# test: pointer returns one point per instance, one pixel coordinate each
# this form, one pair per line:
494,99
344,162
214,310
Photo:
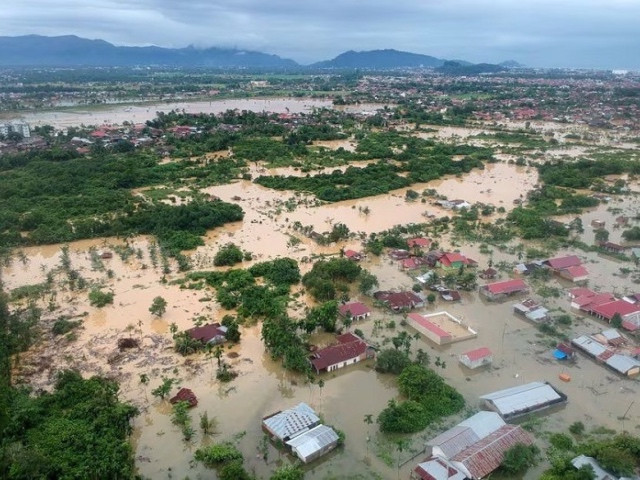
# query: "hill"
380,59
69,50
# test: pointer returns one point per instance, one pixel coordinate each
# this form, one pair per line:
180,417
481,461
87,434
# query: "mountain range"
70,50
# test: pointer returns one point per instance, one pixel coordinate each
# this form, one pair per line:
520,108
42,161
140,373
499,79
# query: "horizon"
592,34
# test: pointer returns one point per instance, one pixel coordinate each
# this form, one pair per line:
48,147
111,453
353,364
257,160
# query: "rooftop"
531,396
291,422
508,286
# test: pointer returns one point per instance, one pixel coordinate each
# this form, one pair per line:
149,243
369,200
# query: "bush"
64,325
577,428
229,254
218,454
289,472
519,458
99,299
391,360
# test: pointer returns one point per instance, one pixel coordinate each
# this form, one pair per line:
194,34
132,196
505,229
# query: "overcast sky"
554,33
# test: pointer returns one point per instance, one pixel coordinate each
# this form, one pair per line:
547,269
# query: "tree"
233,329
158,306
367,282
289,472
392,360
616,320
601,235
164,388
368,419
228,254
519,458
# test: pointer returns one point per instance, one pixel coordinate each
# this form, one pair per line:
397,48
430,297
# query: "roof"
418,242
185,395
478,353
313,441
577,271
609,309
452,257
399,299
483,423
622,363
352,254
581,292
454,440
207,332
291,422
430,326
589,345
354,308
564,262
600,473
486,455
346,349
613,336
513,400
508,286
435,468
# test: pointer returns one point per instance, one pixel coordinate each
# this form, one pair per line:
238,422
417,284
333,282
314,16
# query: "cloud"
589,33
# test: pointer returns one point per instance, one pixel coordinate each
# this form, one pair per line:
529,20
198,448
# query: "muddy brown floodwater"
597,396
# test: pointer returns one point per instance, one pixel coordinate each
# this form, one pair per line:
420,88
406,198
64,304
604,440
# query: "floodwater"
117,114
597,396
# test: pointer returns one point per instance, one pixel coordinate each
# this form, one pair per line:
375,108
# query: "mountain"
379,59
511,64
455,68
69,50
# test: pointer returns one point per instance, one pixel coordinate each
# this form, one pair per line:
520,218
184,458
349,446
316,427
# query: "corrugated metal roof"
600,473
486,455
291,422
483,423
313,441
438,469
524,397
622,363
588,345
454,440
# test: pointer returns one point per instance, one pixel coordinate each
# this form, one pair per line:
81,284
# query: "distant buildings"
21,128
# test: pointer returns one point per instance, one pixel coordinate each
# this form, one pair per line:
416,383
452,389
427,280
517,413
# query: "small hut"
185,395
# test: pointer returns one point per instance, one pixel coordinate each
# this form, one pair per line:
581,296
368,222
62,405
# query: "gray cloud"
587,33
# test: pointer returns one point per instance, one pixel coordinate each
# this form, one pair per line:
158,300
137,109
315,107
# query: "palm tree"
401,446
368,419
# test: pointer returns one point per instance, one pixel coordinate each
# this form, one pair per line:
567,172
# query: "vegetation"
158,306
519,458
99,299
391,360
229,254
429,398
288,472
329,276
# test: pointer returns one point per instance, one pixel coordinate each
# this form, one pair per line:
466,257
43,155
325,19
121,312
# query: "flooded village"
519,288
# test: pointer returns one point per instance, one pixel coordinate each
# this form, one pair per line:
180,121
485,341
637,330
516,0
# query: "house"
612,337
598,224
629,313
518,401
399,301
500,290
450,295
561,263
575,274
598,472
622,221
470,450
185,395
399,254
488,274
425,277
433,332
612,247
527,268
635,253
436,468
623,364
485,456
564,351
532,311
419,242
349,349
287,424
413,263
210,333
314,443
476,358
441,327
454,260
356,310
587,301
353,255
580,292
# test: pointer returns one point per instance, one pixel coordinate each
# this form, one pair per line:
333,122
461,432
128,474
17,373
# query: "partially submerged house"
517,401
419,242
470,450
348,350
287,424
488,274
355,310
623,364
314,443
400,301
210,333
441,328
476,358
500,290
300,429
455,261
532,311
569,267
185,395
353,255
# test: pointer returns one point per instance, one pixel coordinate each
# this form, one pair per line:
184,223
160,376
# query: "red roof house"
348,350
398,301
476,358
419,242
499,290
353,255
626,310
485,456
210,333
575,274
564,262
356,310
